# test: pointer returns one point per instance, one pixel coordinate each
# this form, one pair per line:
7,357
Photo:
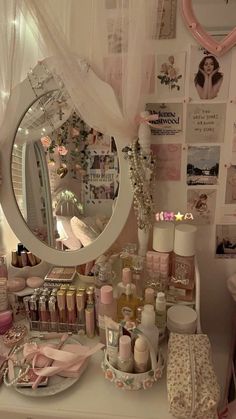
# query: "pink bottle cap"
126,276
125,347
106,294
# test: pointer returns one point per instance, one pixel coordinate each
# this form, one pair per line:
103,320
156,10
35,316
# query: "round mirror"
65,192
65,182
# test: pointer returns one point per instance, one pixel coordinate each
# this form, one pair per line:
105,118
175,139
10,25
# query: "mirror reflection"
216,16
65,175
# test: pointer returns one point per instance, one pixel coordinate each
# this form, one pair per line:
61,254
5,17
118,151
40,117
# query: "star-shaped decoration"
179,216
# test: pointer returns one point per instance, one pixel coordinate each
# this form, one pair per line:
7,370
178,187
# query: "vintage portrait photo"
98,142
170,75
230,191
170,121
209,75
168,161
102,191
205,123
203,165
103,163
226,241
201,203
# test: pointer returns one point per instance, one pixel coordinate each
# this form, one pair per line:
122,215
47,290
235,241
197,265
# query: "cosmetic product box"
16,303
60,274
135,381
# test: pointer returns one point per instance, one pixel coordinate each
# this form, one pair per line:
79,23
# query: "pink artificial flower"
62,150
46,141
74,132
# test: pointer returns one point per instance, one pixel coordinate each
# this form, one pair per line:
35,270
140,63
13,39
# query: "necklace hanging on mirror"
141,167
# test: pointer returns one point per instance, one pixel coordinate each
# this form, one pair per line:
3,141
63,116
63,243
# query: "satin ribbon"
146,119
65,358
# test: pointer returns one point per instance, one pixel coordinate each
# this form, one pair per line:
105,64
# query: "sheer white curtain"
112,35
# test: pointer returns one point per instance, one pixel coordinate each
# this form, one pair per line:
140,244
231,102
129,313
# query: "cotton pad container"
181,319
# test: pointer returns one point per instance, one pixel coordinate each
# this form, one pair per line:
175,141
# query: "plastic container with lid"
181,319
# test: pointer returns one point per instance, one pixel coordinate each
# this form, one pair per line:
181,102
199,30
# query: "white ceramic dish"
56,384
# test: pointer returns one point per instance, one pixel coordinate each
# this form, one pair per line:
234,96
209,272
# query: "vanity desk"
94,397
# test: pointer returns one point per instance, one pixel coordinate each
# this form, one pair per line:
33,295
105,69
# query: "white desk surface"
93,397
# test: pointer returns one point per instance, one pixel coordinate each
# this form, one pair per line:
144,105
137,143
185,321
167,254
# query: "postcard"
205,123
170,75
168,161
201,203
170,121
225,241
209,75
203,165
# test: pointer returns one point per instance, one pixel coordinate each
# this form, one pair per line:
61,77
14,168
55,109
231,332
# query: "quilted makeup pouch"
192,387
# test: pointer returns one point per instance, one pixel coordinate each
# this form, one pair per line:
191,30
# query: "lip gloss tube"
80,305
14,258
43,312
61,303
24,258
71,312
90,321
52,307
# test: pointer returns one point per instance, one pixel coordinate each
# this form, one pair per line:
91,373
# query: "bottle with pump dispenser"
126,305
161,314
148,327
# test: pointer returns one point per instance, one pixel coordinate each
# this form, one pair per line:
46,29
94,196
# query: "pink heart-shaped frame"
199,33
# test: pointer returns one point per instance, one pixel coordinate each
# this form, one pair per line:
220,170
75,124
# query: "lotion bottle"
141,355
125,360
107,307
161,313
149,329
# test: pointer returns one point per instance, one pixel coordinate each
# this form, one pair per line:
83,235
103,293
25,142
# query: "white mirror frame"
24,97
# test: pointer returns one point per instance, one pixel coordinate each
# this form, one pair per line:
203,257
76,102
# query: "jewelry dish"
56,384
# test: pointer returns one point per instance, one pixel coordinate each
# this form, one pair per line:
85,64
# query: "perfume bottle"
104,276
127,304
126,279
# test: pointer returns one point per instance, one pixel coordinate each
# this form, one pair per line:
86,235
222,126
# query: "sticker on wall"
170,75
113,73
209,75
201,203
203,165
168,157
170,120
225,241
205,123
230,192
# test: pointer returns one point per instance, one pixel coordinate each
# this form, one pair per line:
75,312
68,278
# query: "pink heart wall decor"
199,33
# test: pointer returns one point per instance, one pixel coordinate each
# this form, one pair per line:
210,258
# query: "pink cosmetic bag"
193,390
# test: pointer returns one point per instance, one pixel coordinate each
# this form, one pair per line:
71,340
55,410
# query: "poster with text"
205,123
170,75
203,165
230,192
201,203
170,121
226,241
168,161
209,75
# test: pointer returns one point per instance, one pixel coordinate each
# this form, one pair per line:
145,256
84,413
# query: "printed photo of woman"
209,75
208,79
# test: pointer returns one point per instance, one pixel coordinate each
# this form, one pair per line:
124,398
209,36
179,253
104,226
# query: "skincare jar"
181,319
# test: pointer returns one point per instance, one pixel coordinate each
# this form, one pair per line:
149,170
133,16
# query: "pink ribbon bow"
71,355
146,119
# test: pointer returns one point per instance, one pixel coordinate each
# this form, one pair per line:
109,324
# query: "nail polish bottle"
183,257
125,360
